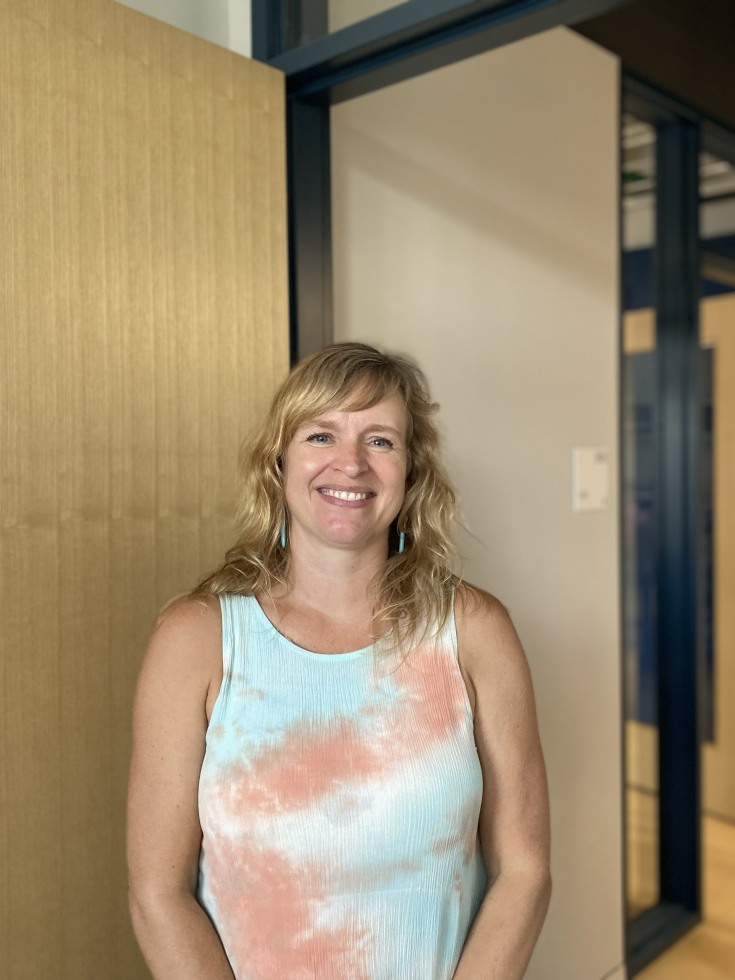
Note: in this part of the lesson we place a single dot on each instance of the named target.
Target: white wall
(224, 22)
(475, 227)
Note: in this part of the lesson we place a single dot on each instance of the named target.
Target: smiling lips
(350, 496)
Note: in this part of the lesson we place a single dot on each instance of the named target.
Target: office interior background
(529, 223)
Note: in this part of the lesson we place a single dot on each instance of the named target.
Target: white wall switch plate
(590, 478)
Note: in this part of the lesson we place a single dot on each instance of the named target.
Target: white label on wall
(590, 478)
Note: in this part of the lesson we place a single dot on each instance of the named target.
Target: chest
(327, 744)
(318, 630)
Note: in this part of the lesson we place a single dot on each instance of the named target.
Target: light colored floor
(708, 951)
(642, 867)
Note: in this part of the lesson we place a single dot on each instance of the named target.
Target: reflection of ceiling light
(636, 130)
(718, 268)
(638, 202)
(712, 167)
(637, 134)
(632, 140)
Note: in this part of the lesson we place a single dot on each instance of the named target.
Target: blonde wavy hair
(413, 592)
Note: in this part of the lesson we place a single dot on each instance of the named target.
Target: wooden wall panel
(718, 330)
(143, 326)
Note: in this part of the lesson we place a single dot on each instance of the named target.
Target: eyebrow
(379, 426)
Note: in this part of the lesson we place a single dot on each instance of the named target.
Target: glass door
(677, 372)
(639, 401)
(717, 332)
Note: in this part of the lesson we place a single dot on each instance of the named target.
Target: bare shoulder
(486, 636)
(185, 647)
(474, 607)
(190, 622)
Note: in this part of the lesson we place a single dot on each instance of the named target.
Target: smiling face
(344, 475)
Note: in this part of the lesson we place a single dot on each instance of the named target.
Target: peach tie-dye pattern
(339, 800)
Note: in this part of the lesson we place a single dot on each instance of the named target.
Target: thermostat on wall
(590, 478)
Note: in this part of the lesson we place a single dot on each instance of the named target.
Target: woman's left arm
(514, 817)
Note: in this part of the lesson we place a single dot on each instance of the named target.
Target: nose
(352, 459)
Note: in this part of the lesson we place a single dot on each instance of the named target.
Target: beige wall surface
(143, 324)
(475, 227)
(224, 22)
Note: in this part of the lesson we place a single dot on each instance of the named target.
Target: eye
(381, 442)
(319, 438)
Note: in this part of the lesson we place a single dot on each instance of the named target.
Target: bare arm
(514, 818)
(178, 682)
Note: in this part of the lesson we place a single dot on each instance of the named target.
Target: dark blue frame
(676, 407)
(381, 50)
(677, 332)
(684, 502)
(310, 227)
(414, 37)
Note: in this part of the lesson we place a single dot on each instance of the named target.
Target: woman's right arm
(178, 682)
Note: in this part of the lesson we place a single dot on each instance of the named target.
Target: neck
(335, 580)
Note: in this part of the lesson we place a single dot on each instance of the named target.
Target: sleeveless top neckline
(261, 614)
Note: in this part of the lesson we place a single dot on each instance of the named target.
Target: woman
(336, 768)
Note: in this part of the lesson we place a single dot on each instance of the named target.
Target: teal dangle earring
(283, 534)
(401, 542)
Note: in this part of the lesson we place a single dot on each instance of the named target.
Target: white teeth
(345, 494)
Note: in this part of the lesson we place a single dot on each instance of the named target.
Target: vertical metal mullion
(677, 307)
(279, 25)
(310, 226)
(310, 196)
(266, 19)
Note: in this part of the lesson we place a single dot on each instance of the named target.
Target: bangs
(355, 391)
(365, 390)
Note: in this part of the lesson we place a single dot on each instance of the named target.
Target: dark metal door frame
(323, 69)
(681, 485)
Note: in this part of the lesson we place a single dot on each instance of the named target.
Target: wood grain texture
(143, 327)
(718, 757)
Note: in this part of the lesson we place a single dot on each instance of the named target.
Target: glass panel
(716, 615)
(342, 13)
(639, 508)
(302, 22)
(307, 20)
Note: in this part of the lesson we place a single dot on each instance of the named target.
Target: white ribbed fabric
(339, 800)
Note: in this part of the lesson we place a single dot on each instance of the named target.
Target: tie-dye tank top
(339, 800)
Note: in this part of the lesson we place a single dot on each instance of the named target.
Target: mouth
(349, 495)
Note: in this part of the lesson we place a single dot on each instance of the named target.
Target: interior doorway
(648, 823)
